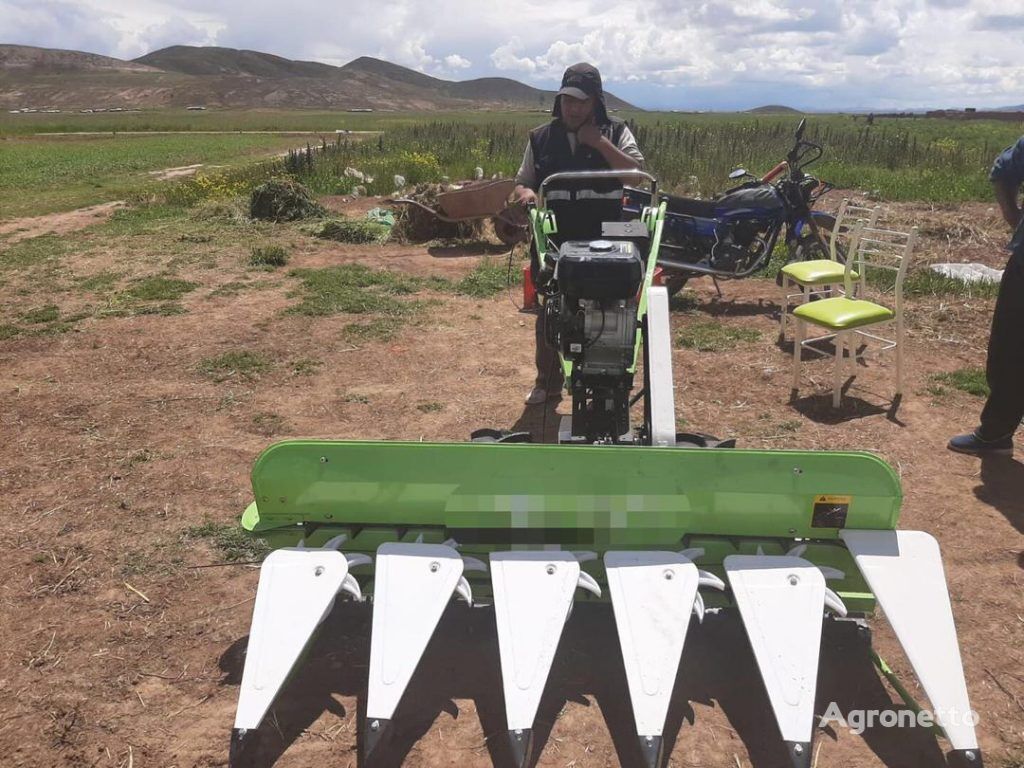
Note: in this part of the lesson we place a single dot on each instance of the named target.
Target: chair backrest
(873, 251)
(848, 214)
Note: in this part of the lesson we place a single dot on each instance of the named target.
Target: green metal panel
(609, 494)
(490, 496)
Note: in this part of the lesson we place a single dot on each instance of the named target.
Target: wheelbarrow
(480, 200)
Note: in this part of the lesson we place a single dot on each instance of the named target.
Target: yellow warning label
(833, 499)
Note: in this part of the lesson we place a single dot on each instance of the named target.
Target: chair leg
(899, 358)
(839, 344)
(783, 308)
(798, 347)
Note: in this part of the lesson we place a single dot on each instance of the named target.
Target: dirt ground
(122, 640)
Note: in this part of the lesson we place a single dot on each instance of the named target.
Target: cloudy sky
(668, 54)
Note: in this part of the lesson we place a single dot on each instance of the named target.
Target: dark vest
(551, 152)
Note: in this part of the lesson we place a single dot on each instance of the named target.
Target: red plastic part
(529, 289)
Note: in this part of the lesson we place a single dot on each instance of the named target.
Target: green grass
(488, 278)
(925, 282)
(377, 329)
(243, 365)
(33, 252)
(898, 159)
(354, 289)
(969, 380)
(712, 336)
(268, 256)
(158, 288)
(233, 543)
(47, 314)
(40, 174)
(99, 282)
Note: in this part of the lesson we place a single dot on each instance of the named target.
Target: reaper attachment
(787, 537)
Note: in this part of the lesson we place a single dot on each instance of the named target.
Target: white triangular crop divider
(297, 589)
(533, 594)
(904, 571)
(413, 584)
(781, 602)
(653, 595)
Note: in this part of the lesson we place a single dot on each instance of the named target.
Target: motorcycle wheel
(810, 247)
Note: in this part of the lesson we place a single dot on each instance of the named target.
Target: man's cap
(581, 81)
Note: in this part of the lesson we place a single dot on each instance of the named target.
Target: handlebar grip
(774, 172)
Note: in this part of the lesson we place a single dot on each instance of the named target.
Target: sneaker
(974, 445)
(539, 395)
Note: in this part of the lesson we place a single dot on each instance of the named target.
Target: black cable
(508, 278)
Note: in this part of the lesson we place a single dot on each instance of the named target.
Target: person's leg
(549, 377)
(1005, 366)
(1004, 370)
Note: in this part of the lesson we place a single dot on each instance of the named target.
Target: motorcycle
(734, 235)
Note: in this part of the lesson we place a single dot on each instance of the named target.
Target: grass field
(936, 160)
(43, 174)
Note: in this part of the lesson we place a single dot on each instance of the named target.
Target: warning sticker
(830, 511)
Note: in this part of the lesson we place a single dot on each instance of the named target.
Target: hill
(184, 75)
(774, 109)
(193, 60)
(31, 60)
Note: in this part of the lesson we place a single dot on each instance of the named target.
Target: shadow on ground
(1002, 487)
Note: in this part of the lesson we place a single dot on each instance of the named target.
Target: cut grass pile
(283, 200)
(352, 231)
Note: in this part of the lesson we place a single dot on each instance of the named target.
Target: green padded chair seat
(816, 271)
(841, 313)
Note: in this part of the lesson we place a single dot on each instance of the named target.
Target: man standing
(580, 137)
(1005, 367)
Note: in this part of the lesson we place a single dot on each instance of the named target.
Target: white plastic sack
(969, 273)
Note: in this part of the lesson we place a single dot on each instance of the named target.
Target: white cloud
(670, 53)
(454, 61)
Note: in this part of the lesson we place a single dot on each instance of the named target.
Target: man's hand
(525, 196)
(1006, 196)
(589, 134)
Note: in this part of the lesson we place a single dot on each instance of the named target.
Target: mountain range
(183, 76)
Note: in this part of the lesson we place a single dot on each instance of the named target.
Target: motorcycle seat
(687, 206)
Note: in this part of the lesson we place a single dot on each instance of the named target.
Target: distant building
(195, 109)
